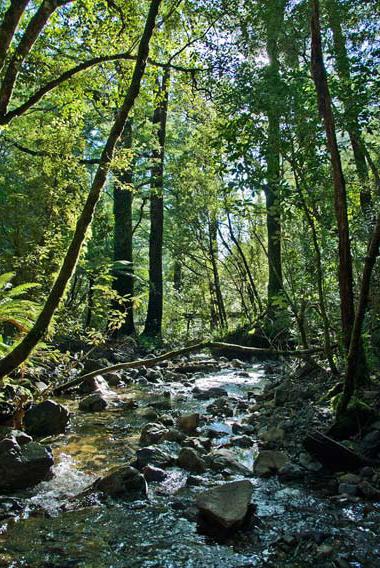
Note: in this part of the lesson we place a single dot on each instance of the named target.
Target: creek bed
(159, 532)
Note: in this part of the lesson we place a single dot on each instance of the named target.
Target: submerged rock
(226, 505)
(93, 403)
(23, 466)
(188, 423)
(124, 481)
(46, 418)
(189, 459)
(269, 462)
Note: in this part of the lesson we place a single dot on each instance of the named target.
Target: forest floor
(253, 419)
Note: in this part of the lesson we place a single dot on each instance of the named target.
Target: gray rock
(152, 433)
(113, 378)
(226, 505)
(23, 466)
(224, 459)
(20, 437)
(153, 376)
(273, 435)
(152, 455)
(152, 473)
(269, 462)
(125, 481)
(93, 403)
(221, 407)
(188, 423)
(94, 384)
(174, 435)
(189, 459)
(291, 472)
(238, 428)
(212, 392)
(46, 418)
(242, 441)
(348, 489)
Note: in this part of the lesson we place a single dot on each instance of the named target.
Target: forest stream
(294, 524)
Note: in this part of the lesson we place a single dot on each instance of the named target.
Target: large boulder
(226, 505)
(269, 462)
(23, 466)
(46, 418)
(125, 481)
(94, 402)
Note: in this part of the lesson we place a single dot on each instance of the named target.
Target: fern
(14, 309)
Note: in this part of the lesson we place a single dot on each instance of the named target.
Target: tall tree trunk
(325, 109)
(153, 322)
(274, 17)
(353, 357)
(20, 353)
(213, 251)
(351, 109)
(123, 282)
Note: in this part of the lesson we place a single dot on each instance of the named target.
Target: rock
(291, 472)
(174, 435)
(309, 463)
(149, 413)
(46, 418)
(167, 420)
(153, 376)
(113, 378)
(188, 423)
(237, 364)
(152, 473)
(201, 445)
(221, 407)
(370, 444)
(212, 392)
(226, 505)
(242, 441)
(124, 481)
(152, 455)
(95, 384)
(282, 394)
(273, 435)
(91, 365)
(162, 403)
(238, 428)
(223, 459)
(325, 550)
(20, 437)
(152, 433)
(348, 489)
(23, 466)
(10, 507)
(350, 478)
(93, 403)
(189, 459)
(368, 490)
(269, 462)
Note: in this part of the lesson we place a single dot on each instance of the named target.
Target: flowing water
(160, 532)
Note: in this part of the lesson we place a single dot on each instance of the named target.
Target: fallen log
(184, 351)
(332, 454)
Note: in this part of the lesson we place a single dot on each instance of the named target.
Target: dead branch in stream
(184, 351)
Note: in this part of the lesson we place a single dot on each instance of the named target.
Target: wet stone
(125, 482)
(23, 466)
(152, 433)
(46, 418)
(190, 460)
(152, 455)
(152, 473)
(93, 403)
(94, 384)
(269, 462)
(242, 441)
(188, 422)
(212, 392)
(226, 505)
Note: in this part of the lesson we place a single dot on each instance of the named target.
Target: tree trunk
(325, 109)
(123, 282)
(9, 25)
(274, 21)
(20, 353)
(351, 109)
(213, 251)
(353, 358)
(153, 322)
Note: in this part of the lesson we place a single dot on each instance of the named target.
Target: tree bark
(353, 357)
(273, 22)
(213, 251)
(351, 110)
(325, 109)
(33, 30)
(9, 25)
(20, 353)
(123, 282)
(153, 322)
